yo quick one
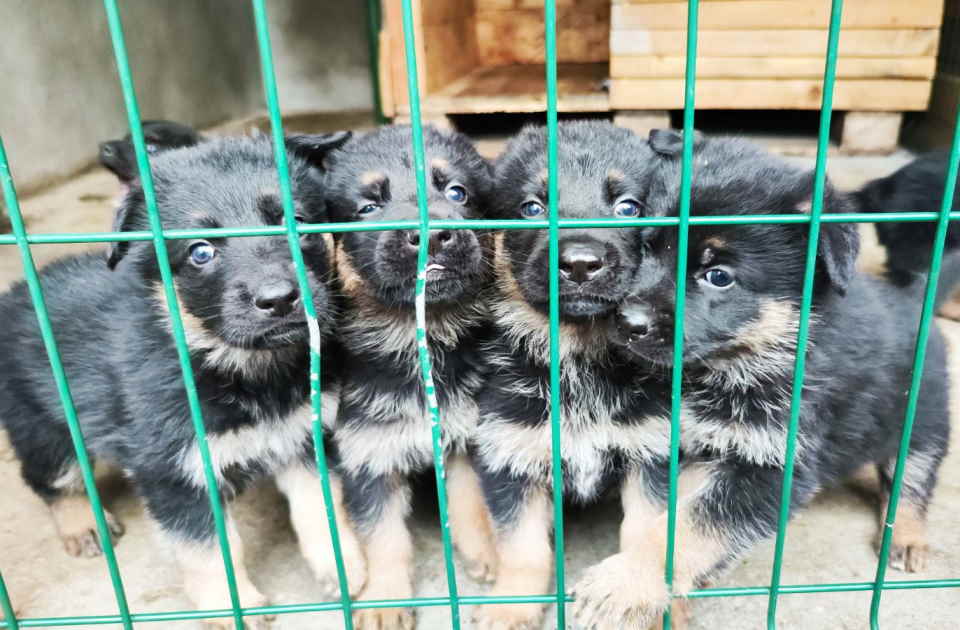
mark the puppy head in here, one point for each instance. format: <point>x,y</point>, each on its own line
<point>118,156</point>
<point>242,292</point>
<point>372,179</point>
<point>744,283</point>
<point>603,172</point>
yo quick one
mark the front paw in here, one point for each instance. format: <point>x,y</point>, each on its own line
<point>324,567</point>
<point>621,592</point>
<point>508,617</point>
<point>384,619</point>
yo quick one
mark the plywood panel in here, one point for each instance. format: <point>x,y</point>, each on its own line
<point>780,43</point>
<point>652,66</point>
<point>861,95</point>
<point>742,15</point>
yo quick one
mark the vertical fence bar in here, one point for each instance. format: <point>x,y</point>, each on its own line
<point>7,607</point>
<point>920,353</point>
<point>553,267</point>
<point>373,47</point>
<point>683,228</point>
<point>63,386</point>
<point>166,276</point>
<point>293,239</point>
<point>419,163</point>
<point>820,176</point>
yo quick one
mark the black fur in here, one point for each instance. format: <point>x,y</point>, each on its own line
<point>119,158</point>
<point>740,346</point>
<point>250,362</point>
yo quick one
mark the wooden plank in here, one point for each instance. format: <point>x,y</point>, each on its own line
<point>774,67</point>
<point>861,95</point>
<point>741,15</point>
<point>387,104</point>
<point>777,43</point>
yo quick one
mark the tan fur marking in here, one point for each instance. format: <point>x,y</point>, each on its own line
<point>389,550</point>
<point>440,163</point>
<point>369,178</point>
<point>307,514</point>
<point>350,280</point>
<point>909,547</point>
<point>602,600</point>
<point>639,510</point>
<point>615,175</point>
<point>470,522</point>
<point>526,560</point>
<point>201,566</point>
<point>776,320</point>
<point>330,247</point>
<point>805,206</point>
<point>715,242</point>
<point>73,518</point>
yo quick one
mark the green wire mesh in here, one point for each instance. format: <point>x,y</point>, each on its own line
<point>158,236</point>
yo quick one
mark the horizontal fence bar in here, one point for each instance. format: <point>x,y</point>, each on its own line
<point>428,602</point>
<point>472,224</point>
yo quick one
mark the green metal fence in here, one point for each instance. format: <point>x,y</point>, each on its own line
<point>292,230</point>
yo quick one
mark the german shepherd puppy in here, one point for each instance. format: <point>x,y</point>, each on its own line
<point>605,403</point>
<point>118,156</point>
<point>917,187</point>
<point>383,433</point>
<point>248,340</point>
<point>742,315</point>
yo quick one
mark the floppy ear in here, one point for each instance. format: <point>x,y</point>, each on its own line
<point>669,142</point>
<point>839,242</point>
<point>123,220</point>
<point>314,148</point>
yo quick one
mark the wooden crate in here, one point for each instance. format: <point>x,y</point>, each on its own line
<point>486,56</point>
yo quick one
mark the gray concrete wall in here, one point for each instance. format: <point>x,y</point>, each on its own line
<point>193,61</point>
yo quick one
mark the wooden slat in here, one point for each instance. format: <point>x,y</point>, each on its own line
<point>741,15</point>
<point>779,43</point>
<point>774,67</point>
<point>861,95</point>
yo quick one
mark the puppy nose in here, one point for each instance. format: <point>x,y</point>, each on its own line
<point>439,240</point>
<point>635,322</point>
<point>277,298</point>
<point>581,262</point>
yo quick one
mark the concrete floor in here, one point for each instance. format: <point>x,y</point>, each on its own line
<point>829,542</point>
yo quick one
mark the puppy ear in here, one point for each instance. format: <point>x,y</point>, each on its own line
<point>839,242</point>
<point>123,219</point>
<point>314,148</point>
<point>669,142</point>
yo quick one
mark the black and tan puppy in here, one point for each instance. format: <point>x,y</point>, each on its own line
<point>742,314</point>
<point>605,403</point>
<point>248,338</point>
<point>383,434</point>
<point>119,158</point>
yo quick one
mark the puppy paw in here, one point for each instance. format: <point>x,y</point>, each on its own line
<point>258,622</point>
<point>620,593</point>
<point>78,528</point>
<point>324,568</point>
<point>384,619</point>
<point>909,558</point>
<point>480,568</point>
<point>508,617</point>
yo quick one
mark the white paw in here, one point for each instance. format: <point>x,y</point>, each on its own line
<point>620,593</point>
<point>508,617</point>
<point>384,619</point>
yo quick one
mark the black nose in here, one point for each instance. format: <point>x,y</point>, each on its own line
<point>635,322</point>
<point>439,240</point>
<point>581,262</point>
<point>277,298</point>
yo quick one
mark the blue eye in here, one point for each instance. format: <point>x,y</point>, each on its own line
<point>152,148</point>
<point>718,277</point>
<point>370,208</point>
<point>627,208</point>
<point>202,252</point>
<point>456,193</point>
<point>531,210</point>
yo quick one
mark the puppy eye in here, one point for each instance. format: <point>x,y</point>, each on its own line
<point>151,148</point>
<point>718,277</point>
<point>531,210</point>
<point>628,208</point>
<point>456,193</point>
<point>202,252</point>
<point>299,218</point>
<point>370,208</point>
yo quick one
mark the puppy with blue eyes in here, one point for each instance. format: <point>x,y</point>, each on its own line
<point>383,434</point>
<point>247,333</point>
<point>607,434</point>
<point>744,288</point>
